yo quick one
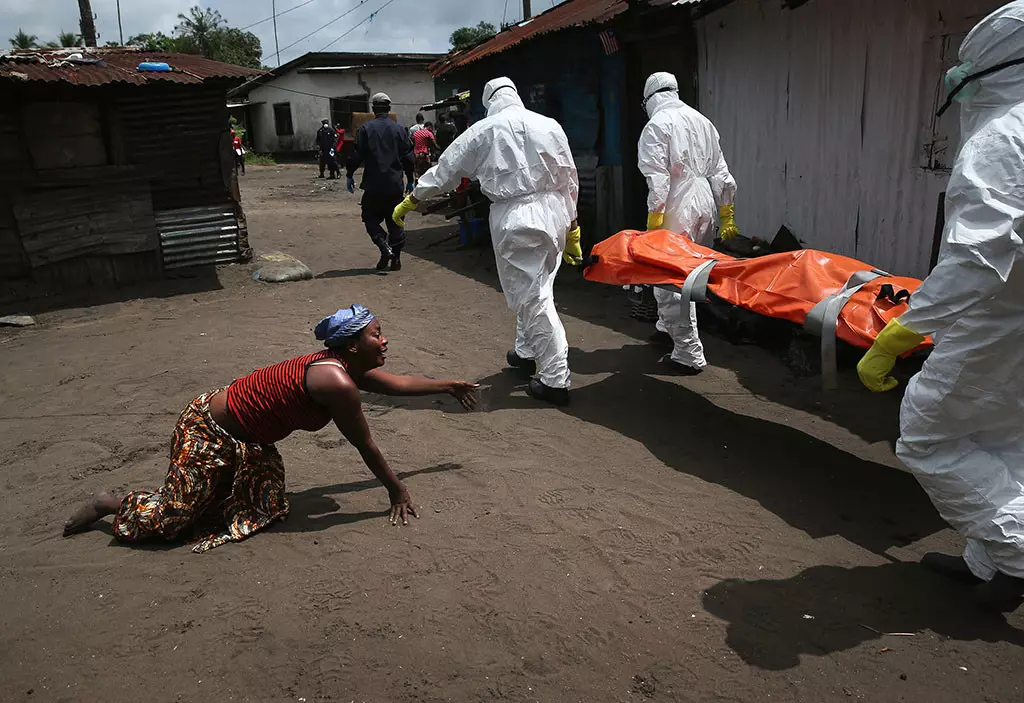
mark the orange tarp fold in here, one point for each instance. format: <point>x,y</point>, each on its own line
<point>784,286</point>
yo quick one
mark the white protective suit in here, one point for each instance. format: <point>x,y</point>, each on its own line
<point>686,173</point>
<point>962,419</point>
<point>525,167</point>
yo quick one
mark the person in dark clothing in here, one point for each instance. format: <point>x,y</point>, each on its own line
<point>384,150</point>
<point>325,140</point>
<point>445,133</point>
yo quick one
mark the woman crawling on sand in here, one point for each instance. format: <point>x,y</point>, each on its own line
<point>225,472</point>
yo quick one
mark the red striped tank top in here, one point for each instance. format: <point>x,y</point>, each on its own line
<point>272,403</point>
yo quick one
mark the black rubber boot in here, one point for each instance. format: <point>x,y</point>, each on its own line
<point>385,259</point>
<point>555,396</point>
<point>1003,594</point>
<point>951,567</point>
<point>679,368</point>
<point>396,259</point>
<point>518,362</point>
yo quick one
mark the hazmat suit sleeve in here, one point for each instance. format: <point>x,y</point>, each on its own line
<point>723,185</point>
<point>653,159</point>
<point>984,211</point>
<point>460,160</point>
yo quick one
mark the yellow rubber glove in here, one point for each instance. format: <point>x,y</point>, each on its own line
<point>727,214</point>
<point>573,254</point>
<point>891,343</point>
<point>403,209</point>
<point>655,220</point>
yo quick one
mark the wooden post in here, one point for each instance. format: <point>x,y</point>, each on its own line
<point>527,11</point>
<point>86,22</point>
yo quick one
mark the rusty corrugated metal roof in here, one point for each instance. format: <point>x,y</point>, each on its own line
<point>116,65</point>
<point>574,13</point>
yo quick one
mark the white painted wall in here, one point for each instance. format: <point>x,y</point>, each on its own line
<point>409,88</point>
<point>826,118</point>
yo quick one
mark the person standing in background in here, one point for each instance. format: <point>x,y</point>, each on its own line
<point>384,150</point>
<point>325,141</point>
<point>239,151</point>
<point>422,144</point>
<point>418,126</point>
<point>445,133</point>
<point>340,132</point>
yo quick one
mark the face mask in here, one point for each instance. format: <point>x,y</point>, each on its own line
<point>957,75</point>
<point>648,98</point>
<point>963,84</point>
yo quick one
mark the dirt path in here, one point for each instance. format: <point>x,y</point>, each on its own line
<point>734,537</point>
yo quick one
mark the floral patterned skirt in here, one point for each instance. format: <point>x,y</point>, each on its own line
<point>215,486</point>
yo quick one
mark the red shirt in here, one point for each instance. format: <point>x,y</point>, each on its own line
<point>341,138</point>
<point>272,403</point>
<point>236,143</point>
<point>421,141</point>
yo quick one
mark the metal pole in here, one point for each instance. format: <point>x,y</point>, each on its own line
<point>120,31</point>
<point>277,46</point>
<point>527,12</point>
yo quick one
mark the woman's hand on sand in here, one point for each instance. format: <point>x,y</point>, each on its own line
<point>465,393</point>
<point>401,505</point>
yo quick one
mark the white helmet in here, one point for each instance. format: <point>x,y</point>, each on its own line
<point>660,82</point>
<point>493,86</point>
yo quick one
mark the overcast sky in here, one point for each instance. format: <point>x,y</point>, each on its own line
<point>402,26</point>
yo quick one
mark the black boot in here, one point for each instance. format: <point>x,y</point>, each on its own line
<point>555,396</point>
<point>518,362</point>
<point>678,367</point>
<point>396,260</point>
<point>385,259</point>
<point>951,567</point>
<point>1003,594</point>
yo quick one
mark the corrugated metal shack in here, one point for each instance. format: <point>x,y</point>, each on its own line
<point>111,175</point>
<point>826,110</point>
<point>584,63</point>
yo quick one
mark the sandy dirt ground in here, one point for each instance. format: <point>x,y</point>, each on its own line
<point>733,537</point>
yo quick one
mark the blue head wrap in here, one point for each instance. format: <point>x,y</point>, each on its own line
<point>334,329</point>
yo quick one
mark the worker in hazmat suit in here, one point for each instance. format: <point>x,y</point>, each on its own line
<point>962,418</point>
<point>524,165</point>
<point>686,174</point>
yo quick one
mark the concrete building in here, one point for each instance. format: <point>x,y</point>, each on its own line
<point>283,108</point>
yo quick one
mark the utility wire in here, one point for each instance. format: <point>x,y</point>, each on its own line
<point>282,12</point>
<point>324,26</point>
<point>364,21</point>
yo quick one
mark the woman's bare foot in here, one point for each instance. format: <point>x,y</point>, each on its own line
<point>100,506</point>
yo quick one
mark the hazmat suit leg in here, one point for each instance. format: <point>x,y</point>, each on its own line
<point>528,236</point>
<point>961,431</point>
<point>682,327</point>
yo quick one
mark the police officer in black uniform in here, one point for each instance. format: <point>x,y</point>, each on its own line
<point>384,150</point>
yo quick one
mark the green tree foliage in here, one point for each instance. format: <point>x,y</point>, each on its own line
<point>206,33</point>
<point>465,37</point>
<point>65,40</point>
<point>23,41</point>
<point>69,39</point>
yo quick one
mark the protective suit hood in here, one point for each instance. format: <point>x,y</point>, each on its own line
<point>996,39</point>
<point>661,91</point>
<point>499,94</point>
